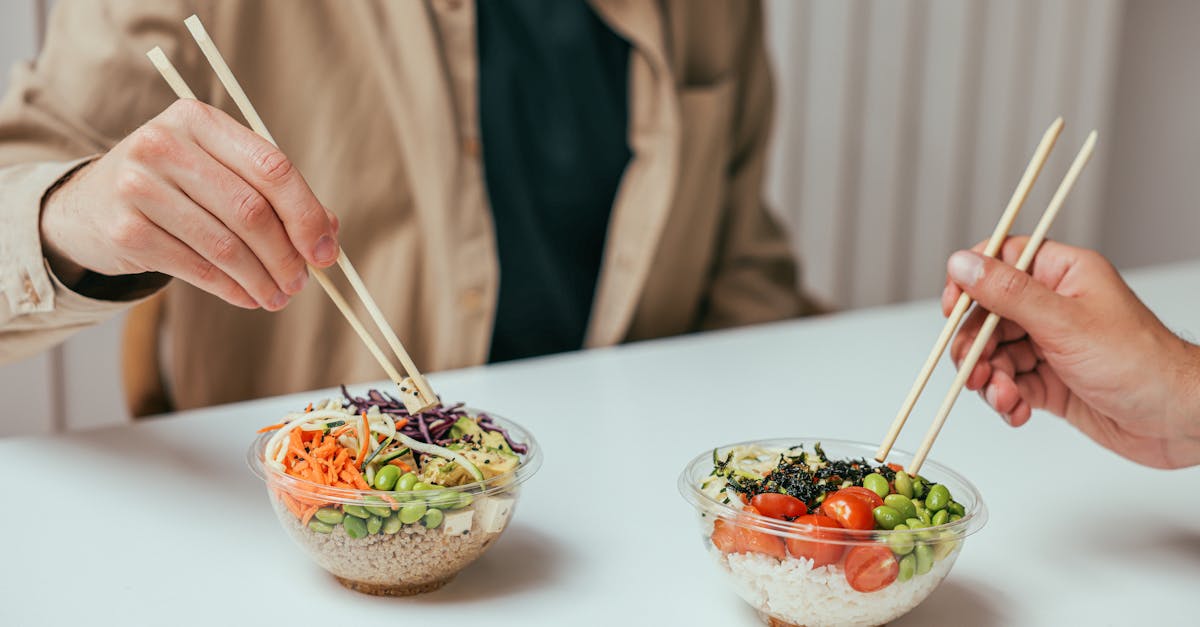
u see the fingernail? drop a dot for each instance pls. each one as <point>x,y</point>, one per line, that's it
<point>297,285</point>
<point>326,250</point>
<point>990,395</point>
<point>1007,419</point>
<point>965,267</point>
<point>278,301</point>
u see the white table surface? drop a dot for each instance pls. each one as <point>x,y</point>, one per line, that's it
<point>162,523</point>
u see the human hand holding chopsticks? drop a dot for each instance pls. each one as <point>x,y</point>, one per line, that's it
<point>1076,341</point>
<point>196,195</point>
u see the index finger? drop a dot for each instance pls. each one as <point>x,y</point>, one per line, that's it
<point>269,171</point>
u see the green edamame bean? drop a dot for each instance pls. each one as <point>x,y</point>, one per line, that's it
<point>924,558</point>
<point>329,515</point>
<point>916,523</point>
<point>444,500</point>
<point>464,499</point>
<point>944,547</point>
<point>378,507</point>
<point>925,516</point>
<point>357,511</point>
<point>877,484</point>
<point>901,504</point>
<point>887,517</point>
<point>938,499</point>
<point>908,566</point>
<point>410,514</point>
<point>421,486</point>
<point>374,524</point>
<point>355,527</point>
<point>900,543</point>
<point>406,482</point>
<point>320,527</point>
<point>432,518</point>
<point>387,477</point>
<point>392,524</point>
<point>955,517</point>
<point>957,508</point>
<point>903,484</point>
<point>919,488</point>
<point>941,518</point>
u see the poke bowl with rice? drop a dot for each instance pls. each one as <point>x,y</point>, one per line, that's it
<point>388,502</point>
<point>809,532</point>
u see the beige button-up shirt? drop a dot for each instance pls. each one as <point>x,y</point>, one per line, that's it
<point>376,103</point>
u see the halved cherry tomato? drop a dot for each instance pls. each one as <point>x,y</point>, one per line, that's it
<point>753,541</point>
<point>851,510</point>
<point>874,499</point>
<point>894,466</point>
<point>871,568</point>
<point>778,505</point>
<point>821,553</point>
<point>725,536</point>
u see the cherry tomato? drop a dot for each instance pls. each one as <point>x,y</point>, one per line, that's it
<point>870,568</point>
<point>753,541</point>
<point>894,466</point>
<point>851,510</point>
<point>778,505</point>
<point>864,493</point>
<point>821,553</point>
<point>725,536</point>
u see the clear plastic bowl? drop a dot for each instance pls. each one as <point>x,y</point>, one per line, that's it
<point>786,590</point>
<point>397,557</point>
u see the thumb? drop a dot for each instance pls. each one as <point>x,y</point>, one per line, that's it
<point>1009,293</point>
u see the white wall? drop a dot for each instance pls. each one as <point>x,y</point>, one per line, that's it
<point>1152,211</point>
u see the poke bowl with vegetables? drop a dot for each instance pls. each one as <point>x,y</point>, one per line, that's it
<point>392,503</point>
<point>810,532</point>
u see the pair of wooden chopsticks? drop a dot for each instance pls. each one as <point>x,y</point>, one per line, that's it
<point>964,302</point>
<point>415,391</point>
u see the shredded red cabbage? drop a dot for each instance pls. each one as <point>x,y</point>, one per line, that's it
<point>431,426</point>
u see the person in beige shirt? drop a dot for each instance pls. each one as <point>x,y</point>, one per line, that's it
<point>107,189</point>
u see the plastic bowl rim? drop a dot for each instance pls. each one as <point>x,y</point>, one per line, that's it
<point>531,461</point>
<point>970,523</point>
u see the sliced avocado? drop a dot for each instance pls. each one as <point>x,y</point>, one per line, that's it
<point>465,426</point>
<point>495,440</point>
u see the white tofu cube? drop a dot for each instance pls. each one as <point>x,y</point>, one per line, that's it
<point>494,512</point>
<point>457,523</point>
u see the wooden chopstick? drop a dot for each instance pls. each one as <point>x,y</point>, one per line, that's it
<point>415,390</point>
<point>960,307</point>
<point>989,324</point>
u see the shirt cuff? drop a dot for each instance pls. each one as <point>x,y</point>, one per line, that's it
<point>26,280</point>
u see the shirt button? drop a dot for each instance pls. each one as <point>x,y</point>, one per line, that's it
<point>471,147</point>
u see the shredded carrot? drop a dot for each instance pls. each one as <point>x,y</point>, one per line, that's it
<point>400,424</point>
<point>401,465</point>
<point>308,514</point>
<point>391,501</point>
<point>270,428</point>
<point>308,409</point>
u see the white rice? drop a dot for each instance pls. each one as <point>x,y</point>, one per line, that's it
<point>794,592</point>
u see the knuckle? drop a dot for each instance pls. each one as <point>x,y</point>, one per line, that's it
<point>129,231</point>
<point>206,272</point>
<point>1010,285</point>
<point>132,183</point>
<point>272,165</point>
<point>252,209</point>
<point>187,111</point>
<point>151,143</point>
<point>225,249</point>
